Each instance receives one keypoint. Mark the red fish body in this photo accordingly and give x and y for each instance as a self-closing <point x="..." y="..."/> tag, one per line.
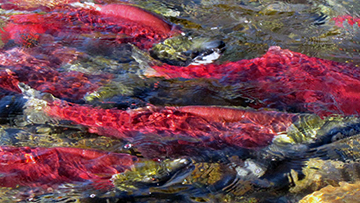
<point x="114" y="12"/>
<point x="35" y="167"/>
<point x="66" y="24"/>
<point x="346" y="18"/>
<point x="112" y="24"/>
<point x="284" y="79"/>
<point x="41" y="76"/>
<point x="237" y="127"/>
<point x="280" y="79"/>
<point x="31" y="5"/>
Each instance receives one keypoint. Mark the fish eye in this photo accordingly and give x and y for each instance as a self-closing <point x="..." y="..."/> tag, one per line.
<point x="337" y="137"/>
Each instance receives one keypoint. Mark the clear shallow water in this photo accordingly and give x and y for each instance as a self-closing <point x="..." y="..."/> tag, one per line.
<point x="250" y="27"/>
<point x="215" y="154"/>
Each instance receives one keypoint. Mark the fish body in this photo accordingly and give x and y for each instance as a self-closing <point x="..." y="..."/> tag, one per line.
<point x="38" y="166"/>
<point x="67" y="85"/>
<point x="112" y="24"/>
<point x="234" y="126"/>
<point x="286" y="80"/>
<point x="351" y="20"/>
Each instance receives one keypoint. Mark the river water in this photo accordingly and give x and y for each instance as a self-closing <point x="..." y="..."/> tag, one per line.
<point x="180" y="101"/>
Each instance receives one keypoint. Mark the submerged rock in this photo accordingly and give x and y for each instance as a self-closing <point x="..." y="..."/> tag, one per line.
<point x="345" y="192"/>
<point x="312" y="169"/>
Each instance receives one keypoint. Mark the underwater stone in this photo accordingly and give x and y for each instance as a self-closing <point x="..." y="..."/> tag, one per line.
<point x="345" y="193"/>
